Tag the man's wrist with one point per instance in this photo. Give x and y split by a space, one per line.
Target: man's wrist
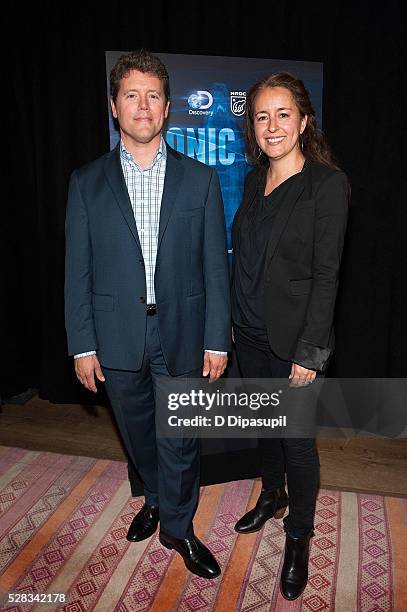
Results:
216 352
87 354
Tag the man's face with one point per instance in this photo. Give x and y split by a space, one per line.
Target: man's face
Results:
140 108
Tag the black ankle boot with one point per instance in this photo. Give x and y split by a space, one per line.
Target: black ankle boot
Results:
269 504
294 575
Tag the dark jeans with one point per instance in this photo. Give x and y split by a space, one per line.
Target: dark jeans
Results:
169 468
298 458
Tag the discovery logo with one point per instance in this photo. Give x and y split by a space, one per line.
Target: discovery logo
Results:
199 102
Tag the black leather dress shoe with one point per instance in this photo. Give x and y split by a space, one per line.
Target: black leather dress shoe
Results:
144 524
294 575
269 504
198 559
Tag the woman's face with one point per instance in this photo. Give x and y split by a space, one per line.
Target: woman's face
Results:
277 122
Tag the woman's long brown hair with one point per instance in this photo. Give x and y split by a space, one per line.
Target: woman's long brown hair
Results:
314 145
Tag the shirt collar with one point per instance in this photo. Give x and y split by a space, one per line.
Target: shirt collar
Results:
161 153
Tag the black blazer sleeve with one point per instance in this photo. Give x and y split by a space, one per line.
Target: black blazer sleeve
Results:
314 346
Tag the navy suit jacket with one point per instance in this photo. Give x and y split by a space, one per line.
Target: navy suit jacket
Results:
105 287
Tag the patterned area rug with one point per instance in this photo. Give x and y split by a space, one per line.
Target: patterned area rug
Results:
63 522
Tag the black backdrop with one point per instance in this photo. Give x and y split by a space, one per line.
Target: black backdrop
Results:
56 120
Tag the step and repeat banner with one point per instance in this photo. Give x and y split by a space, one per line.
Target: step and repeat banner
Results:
208 103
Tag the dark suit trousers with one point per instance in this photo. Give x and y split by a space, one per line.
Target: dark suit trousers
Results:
296 457
169 468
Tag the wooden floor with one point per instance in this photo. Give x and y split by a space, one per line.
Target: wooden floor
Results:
354 464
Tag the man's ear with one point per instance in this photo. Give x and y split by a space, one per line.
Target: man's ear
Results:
113 107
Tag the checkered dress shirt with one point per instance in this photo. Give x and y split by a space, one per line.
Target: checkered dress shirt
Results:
145 188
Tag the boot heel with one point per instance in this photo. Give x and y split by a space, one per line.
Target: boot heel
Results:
280 512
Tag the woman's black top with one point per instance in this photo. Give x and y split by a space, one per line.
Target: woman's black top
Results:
248 284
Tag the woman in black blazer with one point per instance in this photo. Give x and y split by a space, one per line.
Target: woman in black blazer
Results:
287 241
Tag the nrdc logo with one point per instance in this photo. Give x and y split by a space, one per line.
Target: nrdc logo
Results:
238 102
199 102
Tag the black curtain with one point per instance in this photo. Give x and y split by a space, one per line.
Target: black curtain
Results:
56 120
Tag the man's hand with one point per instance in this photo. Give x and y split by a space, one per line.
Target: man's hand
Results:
214 365
300 377
86 368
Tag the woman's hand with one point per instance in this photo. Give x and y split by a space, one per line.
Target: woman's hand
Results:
300 377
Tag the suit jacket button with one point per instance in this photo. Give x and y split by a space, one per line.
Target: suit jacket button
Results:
141 262
142 300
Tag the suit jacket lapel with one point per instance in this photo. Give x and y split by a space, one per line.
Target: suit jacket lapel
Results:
115 178
173 175
283 215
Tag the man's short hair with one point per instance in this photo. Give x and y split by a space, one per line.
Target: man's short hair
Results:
140 60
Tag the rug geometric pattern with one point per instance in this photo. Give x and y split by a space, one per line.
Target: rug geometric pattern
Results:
63 522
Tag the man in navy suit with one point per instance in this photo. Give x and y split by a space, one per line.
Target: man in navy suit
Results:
147 292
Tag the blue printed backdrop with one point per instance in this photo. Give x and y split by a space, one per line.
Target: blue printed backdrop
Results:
206 118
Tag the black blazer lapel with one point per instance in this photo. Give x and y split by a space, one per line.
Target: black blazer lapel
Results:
115 178
283 215
256 182
173 175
